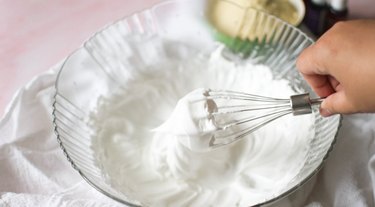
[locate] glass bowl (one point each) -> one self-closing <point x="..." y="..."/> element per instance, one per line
<point x="96" y="69"/>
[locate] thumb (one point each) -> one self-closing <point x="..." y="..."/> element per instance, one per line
<point x="336" y="103"/>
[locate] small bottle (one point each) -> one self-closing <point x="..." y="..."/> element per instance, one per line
<point x="316" y="11"/>
<point x="338" y="11"/>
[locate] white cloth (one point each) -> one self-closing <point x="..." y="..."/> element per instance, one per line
<point x="34" y="171"/>
<point x="348" y="178"/>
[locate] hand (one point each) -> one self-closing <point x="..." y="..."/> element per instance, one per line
<point x="341" y="67"/>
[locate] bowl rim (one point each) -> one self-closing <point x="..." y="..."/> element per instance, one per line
<point x="151" y="8"/>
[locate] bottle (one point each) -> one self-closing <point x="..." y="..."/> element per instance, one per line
<point x="316" y="11"/>
<point x="338" y="11"/>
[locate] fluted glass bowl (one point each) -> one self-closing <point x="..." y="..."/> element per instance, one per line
<point x="96" y="69"/>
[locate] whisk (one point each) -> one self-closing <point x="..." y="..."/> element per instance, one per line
<point x="238" y="114"/>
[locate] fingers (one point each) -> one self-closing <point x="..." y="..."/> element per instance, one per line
<point x="309" y="63"/>
<point x="321" y="84"/>
<point x="335" y="104"/>
<point x="335" y="84"/>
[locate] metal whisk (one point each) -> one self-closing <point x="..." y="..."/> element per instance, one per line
<point x="239" y="114"/>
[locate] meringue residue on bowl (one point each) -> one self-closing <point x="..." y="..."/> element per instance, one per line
<point x="157" y="168"/>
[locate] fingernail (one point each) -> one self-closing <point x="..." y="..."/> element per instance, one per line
<point x="325" y="112"/>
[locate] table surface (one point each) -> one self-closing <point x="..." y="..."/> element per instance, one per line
<point x="36" y="34"/>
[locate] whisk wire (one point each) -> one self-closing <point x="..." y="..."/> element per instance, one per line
<point x="246" y="108"/>
<point x="243" y="96"/>
<point x="248" y="112"/>
<point x="229" y="138"/>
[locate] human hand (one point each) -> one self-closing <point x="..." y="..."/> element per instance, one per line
<point x="341" y="67"/>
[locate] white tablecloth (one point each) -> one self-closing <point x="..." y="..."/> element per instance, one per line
<point x="34" y="171"/>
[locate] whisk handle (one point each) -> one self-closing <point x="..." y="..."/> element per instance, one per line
<point x="302" y="104"/>
<point x="316" y="101"/>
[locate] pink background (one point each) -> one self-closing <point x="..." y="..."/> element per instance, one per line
<point x="36" y="34"/>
